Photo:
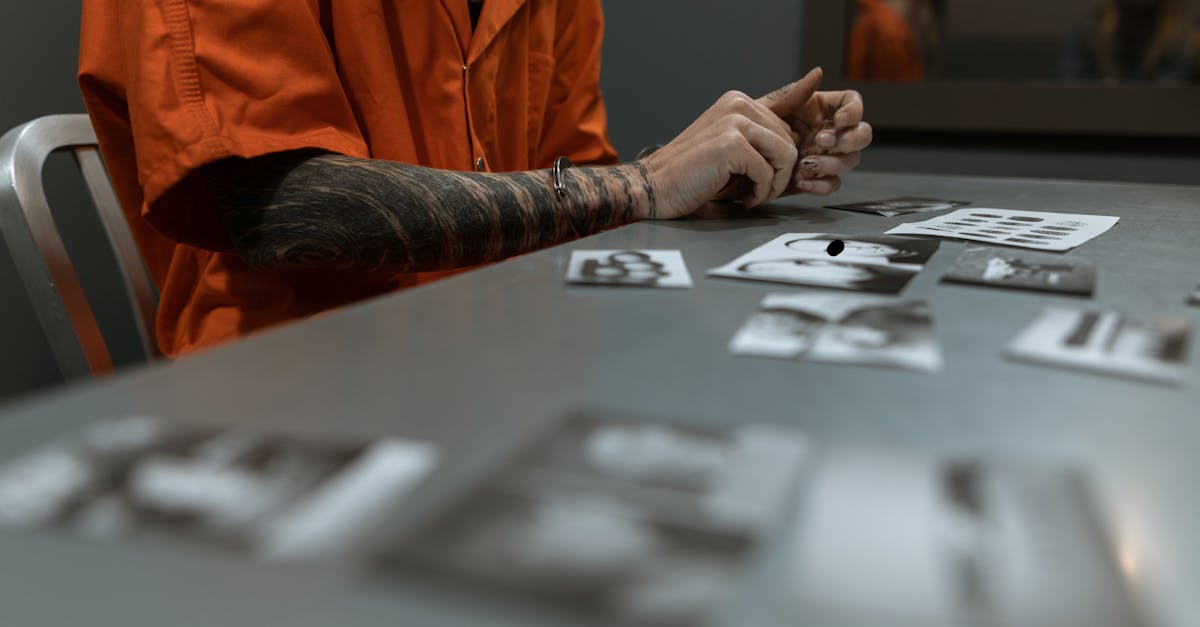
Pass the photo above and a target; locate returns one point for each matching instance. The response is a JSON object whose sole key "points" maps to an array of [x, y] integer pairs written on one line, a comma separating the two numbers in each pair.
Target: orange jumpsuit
{"points": [[882, 46], [171, 85]]}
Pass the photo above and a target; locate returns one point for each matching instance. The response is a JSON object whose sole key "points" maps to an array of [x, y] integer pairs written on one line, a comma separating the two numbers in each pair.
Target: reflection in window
{"points": [[895, 40], [1023, 40], [1134, 40]]}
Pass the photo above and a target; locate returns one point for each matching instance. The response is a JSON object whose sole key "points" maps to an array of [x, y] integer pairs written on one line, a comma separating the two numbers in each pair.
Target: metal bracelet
{"points": [[561, 165]]}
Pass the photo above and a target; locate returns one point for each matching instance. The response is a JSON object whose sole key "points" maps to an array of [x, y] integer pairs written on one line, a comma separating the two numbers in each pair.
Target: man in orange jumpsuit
{"points": [[883, 46], [278, 158]]}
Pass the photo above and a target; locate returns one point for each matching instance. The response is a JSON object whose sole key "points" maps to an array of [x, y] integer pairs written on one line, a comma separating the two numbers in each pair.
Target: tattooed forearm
{"points": [[295, 210]]}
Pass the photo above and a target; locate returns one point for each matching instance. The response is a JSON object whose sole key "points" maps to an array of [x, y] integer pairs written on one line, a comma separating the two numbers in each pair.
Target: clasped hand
{"points": [[793, 140]]}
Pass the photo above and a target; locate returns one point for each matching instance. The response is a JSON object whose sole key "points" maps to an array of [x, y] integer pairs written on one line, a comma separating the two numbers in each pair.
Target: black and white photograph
{"points": [[1194, 298], [902, 206], [634, 268], [894, 537], [280, 499], [869, 263], [644, 521], [843, 329], [1107, 342], [1007, 267], [1023, 229]]}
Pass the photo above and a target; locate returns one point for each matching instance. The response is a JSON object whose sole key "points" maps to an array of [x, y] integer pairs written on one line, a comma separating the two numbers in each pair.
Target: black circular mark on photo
{"points": [[987, 215], [1026, 219], [835, 247]]}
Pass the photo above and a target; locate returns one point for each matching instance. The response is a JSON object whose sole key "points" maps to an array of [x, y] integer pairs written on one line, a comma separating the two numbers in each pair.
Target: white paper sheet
{"points": [[1026, 229], [636, 268]]}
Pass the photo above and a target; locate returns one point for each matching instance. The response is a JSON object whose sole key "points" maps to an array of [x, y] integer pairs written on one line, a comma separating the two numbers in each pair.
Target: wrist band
{"points": [[561, 164]]}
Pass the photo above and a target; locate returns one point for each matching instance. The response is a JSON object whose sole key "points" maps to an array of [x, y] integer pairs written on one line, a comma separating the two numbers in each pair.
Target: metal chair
{"points": [[40, 256]]}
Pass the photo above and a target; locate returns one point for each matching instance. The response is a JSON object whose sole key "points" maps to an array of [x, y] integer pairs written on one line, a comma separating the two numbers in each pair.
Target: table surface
{"points": [[479, 362]]}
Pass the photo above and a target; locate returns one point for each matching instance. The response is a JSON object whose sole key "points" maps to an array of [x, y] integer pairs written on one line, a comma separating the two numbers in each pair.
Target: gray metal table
{"points": [[478, 362]]}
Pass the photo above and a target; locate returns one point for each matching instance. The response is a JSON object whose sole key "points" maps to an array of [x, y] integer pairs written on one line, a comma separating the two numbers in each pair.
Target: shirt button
{"points": [[480, 166]]}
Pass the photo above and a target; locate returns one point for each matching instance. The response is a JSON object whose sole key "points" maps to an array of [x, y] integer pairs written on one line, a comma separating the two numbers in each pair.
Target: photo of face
{"points": [[855, 329], [904, 205], [873, 263], [829, 273]]}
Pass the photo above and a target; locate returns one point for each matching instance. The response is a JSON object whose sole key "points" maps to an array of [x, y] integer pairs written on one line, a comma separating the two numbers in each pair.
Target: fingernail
{"points": [[828, 140], [804, 185], [810, 164]]}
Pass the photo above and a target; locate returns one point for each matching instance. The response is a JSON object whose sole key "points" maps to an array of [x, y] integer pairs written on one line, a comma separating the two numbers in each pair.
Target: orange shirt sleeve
{"points": [[203, 81], [575, 121]]}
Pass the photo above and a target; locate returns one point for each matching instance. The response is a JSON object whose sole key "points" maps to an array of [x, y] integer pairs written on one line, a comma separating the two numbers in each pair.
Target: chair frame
{"points": [[41, 258]]}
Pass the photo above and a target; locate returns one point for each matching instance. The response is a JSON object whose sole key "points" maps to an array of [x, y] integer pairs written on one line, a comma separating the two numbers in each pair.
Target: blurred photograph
{"points": [[279, 498], [892, 537], [1107, 342], [645, 522], [998, 267], [870, 263], [861, 330], [1194, 298], [637, 268], [902, 206]]}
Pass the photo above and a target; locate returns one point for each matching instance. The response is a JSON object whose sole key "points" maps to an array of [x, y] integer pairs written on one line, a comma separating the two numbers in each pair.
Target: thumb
{"points": [[789, 98]]}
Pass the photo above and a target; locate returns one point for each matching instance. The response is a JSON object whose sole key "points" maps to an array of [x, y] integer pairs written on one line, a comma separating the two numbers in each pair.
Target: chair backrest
{"points": [[40, 256]]}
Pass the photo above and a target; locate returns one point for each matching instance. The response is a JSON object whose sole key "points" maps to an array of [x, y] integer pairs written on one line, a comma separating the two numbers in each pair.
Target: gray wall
{"points": [[665, 62], [38, 48]]}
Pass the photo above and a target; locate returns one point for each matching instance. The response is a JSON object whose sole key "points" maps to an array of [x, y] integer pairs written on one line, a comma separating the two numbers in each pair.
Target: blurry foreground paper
{"points": [[1107, 342], [283, 499], [1024, 229], [890, 538], [642, 522]]}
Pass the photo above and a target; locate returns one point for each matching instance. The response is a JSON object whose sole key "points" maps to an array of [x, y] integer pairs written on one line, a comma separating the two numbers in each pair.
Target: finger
{"points": [[736, 102], [790, 99], [835, 112], [821, 166], [750, 162], [846, 107], [854, 140], [819, 187], [780, 153]]}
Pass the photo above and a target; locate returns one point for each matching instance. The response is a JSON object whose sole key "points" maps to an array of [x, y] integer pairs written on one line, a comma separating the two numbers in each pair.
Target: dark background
{"points": [[665, 62]]}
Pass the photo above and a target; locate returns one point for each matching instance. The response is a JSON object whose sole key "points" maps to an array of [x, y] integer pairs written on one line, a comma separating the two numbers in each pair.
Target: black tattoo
{"points": [[313, 210], [651, 205]]}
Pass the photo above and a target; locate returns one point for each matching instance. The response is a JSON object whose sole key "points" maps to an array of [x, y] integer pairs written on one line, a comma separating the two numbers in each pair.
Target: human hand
{"points": [[830, 128], [737, 149]]}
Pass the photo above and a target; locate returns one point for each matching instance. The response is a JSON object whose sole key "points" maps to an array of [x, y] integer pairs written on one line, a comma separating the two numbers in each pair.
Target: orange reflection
{"points": [[894, 40]]}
